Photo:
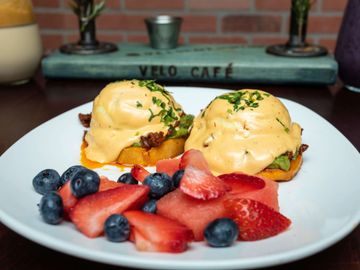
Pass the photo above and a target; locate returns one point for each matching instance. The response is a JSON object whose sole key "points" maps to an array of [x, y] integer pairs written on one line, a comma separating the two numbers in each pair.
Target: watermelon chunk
{"points": [[168, 166], [193, 213], [197, 213]]}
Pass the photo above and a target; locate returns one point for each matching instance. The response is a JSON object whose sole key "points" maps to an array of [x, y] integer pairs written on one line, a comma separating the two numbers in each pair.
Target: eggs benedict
{"points": [[135, 122], [248, 131]]}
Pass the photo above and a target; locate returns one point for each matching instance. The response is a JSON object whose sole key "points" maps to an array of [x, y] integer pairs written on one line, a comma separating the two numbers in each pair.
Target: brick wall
{"points": [[205, 21]]}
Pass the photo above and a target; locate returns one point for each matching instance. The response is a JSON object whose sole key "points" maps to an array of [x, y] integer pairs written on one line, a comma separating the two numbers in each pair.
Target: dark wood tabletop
{"points": [[24, 107]]}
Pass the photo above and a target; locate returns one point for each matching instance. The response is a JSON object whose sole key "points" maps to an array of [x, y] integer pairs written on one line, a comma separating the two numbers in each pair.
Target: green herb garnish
{"points": [[167, 116], [182, 130], [242, 99], [154, 87], [158, 102], [186, 121], [287, 130], [138, 104], [167, 110]]}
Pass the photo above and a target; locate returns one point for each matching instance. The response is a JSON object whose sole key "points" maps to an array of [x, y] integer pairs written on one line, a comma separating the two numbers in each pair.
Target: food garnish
{"points": [[166, 213]]}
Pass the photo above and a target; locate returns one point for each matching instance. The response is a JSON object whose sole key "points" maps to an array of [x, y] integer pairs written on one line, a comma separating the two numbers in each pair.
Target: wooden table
{"points": [[24, 107]]}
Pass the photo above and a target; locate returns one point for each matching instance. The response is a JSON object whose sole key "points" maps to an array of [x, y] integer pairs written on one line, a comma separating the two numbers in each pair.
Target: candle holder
{"points": [[87, 12], [297, 45]]}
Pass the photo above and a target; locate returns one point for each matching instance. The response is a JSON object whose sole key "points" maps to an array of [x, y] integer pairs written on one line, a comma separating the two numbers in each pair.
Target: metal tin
{"points": [[163, 31]]}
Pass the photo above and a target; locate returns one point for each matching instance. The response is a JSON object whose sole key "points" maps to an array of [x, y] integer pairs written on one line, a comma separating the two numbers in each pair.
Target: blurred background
{"points": [[249, 22]]}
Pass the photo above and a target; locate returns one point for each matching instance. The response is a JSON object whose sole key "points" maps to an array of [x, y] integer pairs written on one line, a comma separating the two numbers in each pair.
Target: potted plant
{"points": [[297, 45], [87, 11]]}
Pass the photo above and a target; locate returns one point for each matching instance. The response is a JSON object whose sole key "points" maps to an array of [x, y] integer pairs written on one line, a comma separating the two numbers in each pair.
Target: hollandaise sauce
{"points": [[244, 131]]}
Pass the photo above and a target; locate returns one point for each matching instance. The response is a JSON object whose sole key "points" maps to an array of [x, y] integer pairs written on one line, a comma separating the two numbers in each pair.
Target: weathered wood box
{"points": [[210, 63]]}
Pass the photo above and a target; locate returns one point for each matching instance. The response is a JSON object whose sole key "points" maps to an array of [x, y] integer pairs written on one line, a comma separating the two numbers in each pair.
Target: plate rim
{"points": [[100, 256]]}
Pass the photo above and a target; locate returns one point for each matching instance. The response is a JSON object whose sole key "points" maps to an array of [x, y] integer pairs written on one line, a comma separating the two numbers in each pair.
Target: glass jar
{"points": [[347, 52], [20, 42]]}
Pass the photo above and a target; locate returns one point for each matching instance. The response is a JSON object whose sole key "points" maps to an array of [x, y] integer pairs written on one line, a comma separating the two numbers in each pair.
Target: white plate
{"points": [[322, 201]]}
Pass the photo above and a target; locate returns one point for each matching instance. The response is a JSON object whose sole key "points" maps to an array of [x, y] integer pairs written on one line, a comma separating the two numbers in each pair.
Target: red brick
{"points": [[112, 4], [121, 22], [334, 5], [57, 21], [154, 4], [137, 38], [191, 23], [198, 23], [278, 5], [330, 44], [269, 40], [114, 38], [251, 23], [46, 3], [217, 39], [219, 4], [51, 42], [72, 38], [318, 24]]}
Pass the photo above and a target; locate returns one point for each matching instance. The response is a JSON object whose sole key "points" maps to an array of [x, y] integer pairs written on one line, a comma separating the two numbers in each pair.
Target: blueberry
{"points": [[176, 178], [150, 206], [127, 178], [221, 232], [159, 184], [84, 182], [117, 228], [46, 180], [51, 208], [70, 172]]}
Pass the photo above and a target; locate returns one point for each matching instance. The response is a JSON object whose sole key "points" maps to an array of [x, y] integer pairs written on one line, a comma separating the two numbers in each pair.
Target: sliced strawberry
{"points": [[139, 172], [90, 212], [168, 166], [202, 184], [195, 158], [69, 200], [240, 182], [152, 232], [141, 243], [253, 187], [255, 220], [106, 183]]}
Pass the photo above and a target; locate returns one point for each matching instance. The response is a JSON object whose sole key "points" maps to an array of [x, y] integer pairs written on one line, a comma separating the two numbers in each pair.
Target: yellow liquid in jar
{"points": [[16, 12]]}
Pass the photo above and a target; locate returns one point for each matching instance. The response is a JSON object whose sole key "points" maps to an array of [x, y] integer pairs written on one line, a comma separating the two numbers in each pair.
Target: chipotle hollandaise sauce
{"points": [[244, 131], [123, 112], [93, 164]]}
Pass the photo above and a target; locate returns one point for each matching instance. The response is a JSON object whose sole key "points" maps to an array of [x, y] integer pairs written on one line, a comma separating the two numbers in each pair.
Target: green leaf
{"points": [[90, 13]]}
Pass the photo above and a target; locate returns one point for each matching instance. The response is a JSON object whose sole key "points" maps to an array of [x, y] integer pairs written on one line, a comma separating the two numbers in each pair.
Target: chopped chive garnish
{"points": [[285, 127]]}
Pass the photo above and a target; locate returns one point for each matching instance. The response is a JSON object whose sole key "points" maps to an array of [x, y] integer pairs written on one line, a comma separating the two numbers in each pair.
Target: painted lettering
{"points": [[195, 72], [158, 71], [172, 70], [205, 73], [143, 70], [229, 71], [216, 71]]}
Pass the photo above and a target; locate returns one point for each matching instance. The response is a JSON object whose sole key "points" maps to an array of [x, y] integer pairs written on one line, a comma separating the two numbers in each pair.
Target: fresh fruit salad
{"points": [[165, 211]]}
